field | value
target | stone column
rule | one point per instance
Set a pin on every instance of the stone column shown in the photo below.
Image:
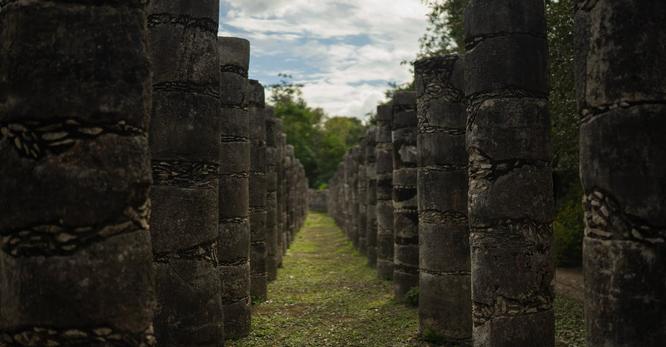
(74, 110)
(273, 126)
(445, 306)
(371, 196)
(258, 251)
(282, 196)
(289, 171)
(185, 146)
(510, 183)
(384, 155)
(234, 244)
(362, 187)
(348, 198)
(355, 205)
(405, 207)
(622, 102)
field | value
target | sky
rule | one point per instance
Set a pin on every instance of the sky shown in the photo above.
(344, 51)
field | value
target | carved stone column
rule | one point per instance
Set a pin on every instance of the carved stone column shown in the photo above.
(445, 306)
(234, 244)
(371, 196)
(273, 126)
(75, 250)
(384, 155)
(510, 183)
(258, 251)
(405, 206)
(362, 188)
(282, 196)
(185, 146)
(622, 101)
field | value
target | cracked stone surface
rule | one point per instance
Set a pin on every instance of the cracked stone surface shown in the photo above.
(405, 204)
(234, 191)
(445, 306)
(258, 212)
(622, 104)
(185, 146)
(510, 180)
(75, 164)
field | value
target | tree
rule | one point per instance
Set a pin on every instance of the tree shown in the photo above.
(445, 30)
(319, 141)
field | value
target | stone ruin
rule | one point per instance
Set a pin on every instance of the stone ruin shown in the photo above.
(90, 209)
(405, 203)
(185, 146)
(485, 186)
(180, 189)
(445, 306)
(234, 254)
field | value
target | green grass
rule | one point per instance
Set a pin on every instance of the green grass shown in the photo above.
(569, 322)
(326, 295)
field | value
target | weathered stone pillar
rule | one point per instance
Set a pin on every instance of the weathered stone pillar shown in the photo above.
(405, 204)
(282, 196)
(258, 251)
(234, 244)
(185, 146)
(362, 187)
(273, 126)
(289, 183)
(622, 101)
(510, 183)
(371, 196)
(384, 155)
(445, 306)
(348, 198)
(74, 111)
(355, 205)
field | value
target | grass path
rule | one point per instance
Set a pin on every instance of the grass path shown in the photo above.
(326, 295)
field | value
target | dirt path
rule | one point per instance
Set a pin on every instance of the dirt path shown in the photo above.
(569, 282)
(326, 295)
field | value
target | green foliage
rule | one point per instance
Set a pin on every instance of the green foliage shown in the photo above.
(562, 102)
(445, 31)
(568, 229)
(429, 335)
(395, 87)
(319, 141)
(412, 297)
(569, 322)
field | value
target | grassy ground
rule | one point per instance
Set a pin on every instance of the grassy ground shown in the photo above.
(326, 295)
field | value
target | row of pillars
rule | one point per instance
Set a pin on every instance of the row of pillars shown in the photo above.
(451, 193)
(147, 193)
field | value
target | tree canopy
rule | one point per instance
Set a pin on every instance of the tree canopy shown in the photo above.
(320, 141)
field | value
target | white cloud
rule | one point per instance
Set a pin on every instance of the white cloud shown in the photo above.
(342, 49)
